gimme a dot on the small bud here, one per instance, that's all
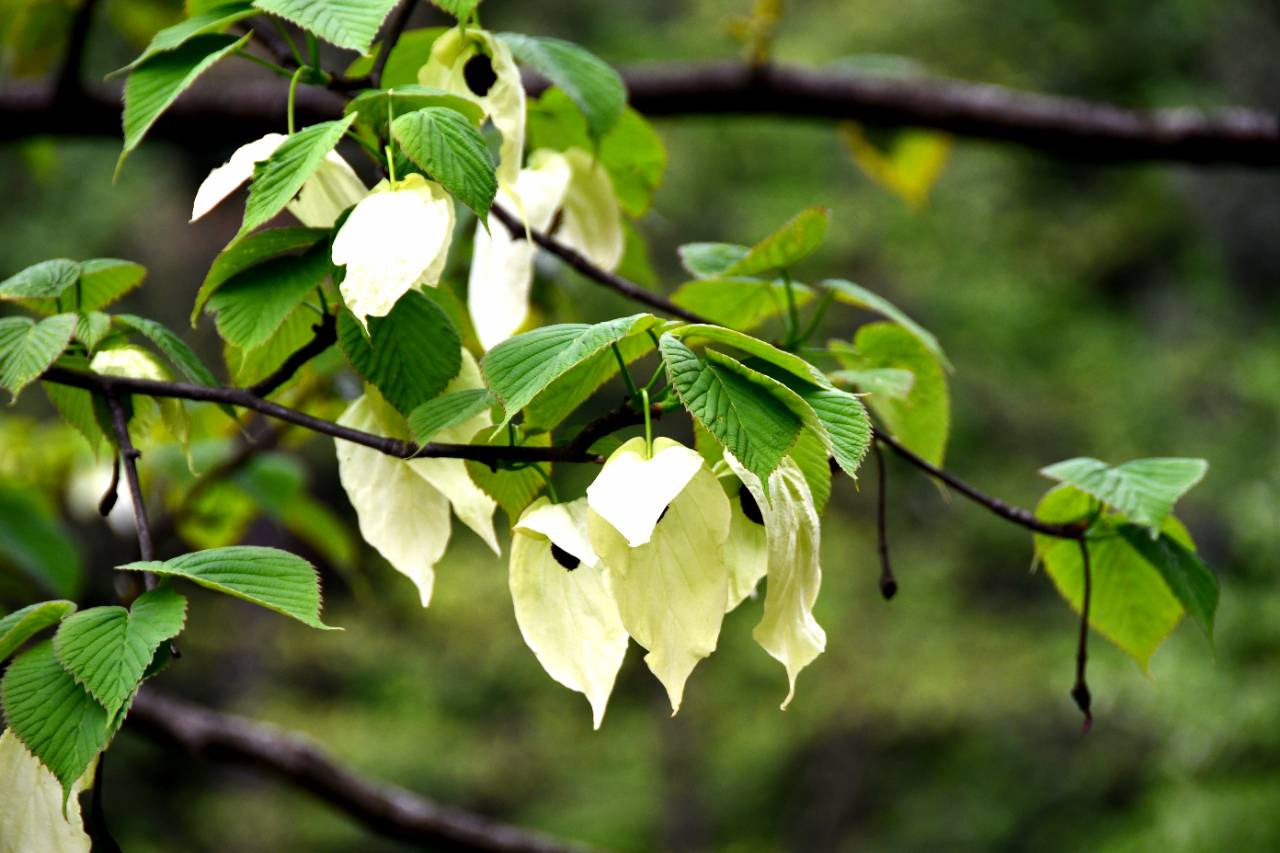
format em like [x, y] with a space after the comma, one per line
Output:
[750, 508]
[479, 74]
[564, 558]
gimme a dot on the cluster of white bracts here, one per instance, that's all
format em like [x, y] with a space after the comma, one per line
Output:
[663, 553]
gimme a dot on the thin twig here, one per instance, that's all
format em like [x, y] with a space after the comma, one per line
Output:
[69, 84]
[326, 335]
[129, 459]
[888, 583]
[109, 497]
[398, 23]
[1080, 692]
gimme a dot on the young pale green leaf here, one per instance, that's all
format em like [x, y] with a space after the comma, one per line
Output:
[1144, 490]
[33, 541]
[352, 24]
[511, 489]
[1131, 604]
[460, 9]
[107, 649]
[447, 145]
[31, 813]
[812, 456]
[1191, 581]
[595, 87]
[374, 106]
[745, 411]
[278, 179]
[92, 328]
[269, 577]
[102, 282]
[251, 306]
[215, 20]
[250, 366]
[174, 348]
[250, 251]
[739, 303]
[410, 355]
[853, 294]
[155, 84]
[76, 405]
[711, 260]
[882, 381]
[53, 715]
[521, 368]
[28, 349]
[21, 625]
[448, 410]
[921, 420]
[784, 247]
[408, 54]
[45, 280]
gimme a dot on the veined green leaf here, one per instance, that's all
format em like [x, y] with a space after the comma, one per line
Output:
[174, 348]
[460, 9]
[215, 20]
[447, 145]
[410, 355]
[513, 490]
[853, 294]
[595, 87]
[21, 625]
[28, 349]
[268, 577]
[347, 23]
[54, 716]
[250, 251]
[711, 260]
[76, 405]
[248, 367]
[155, 84]
[91, 328]
[1188, 578]
[45, 280]
[890, 382]
[793, 364]
[448, 410]
[574, 387]
[107, 649]
[521, 368]
[373, 106]
[784, 247]
[103, 281]
[739, 303]
[251, 306]
[744, 410]
[845, 428]
[1144, 490]
[279, 178]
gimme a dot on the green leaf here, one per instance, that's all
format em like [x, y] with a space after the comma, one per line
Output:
[565, 394]
[887, 381]
[374, 105]
[91, 328]
[1188, 578]
[408, 54]
[789, 362]
[352, 24]
[248, 367]
[521, 368]
[103, 281]
[743, 409]
[250, 251]
[278, 179]
[21, 625]
[35, 542]
[921, 420]
[739, 303]
[1130, 604]
[53, 715]
[76, 405]
[711, 260]
[215, 20]
[1144, 490]
[410, 355]
[445, 144]
[784, 247]
[45, 280]
[107, 649]
[269, 577]
[251, 306]
[460, 9]
[28, 349]
[813, 459]
[595, 87]
[845, 427]
[853, 294]
[512, 489]
[154, 85]
[448, 410]
[174, 348]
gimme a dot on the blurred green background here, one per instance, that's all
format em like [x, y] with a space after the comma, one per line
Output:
[1111, 311]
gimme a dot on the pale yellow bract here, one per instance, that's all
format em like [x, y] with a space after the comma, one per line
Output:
[31, 816]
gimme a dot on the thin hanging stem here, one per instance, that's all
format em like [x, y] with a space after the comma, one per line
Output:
[632, 391]
[391, 141]
[888, 583]
[1080, 692]
[648, 423]
[293, 93]
[258, 60]
[793, 316]
[819, 312]
[288, 39]
[546, 478]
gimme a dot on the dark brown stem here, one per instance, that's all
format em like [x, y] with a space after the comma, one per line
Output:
[69, 84]
[129, 459]
[326, 335]
[387, 809]
[112, 493]
[620, 418]
[389, 39]
[1080, 692]
[888, 583]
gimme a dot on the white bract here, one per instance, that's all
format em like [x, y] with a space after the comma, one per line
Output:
[565, 611]
[402, 506]
[788, 630]
[502, 103]
[592, 221]
[331, 188]
[396, 238]
[31, 817]
[671, 591]
[502, 265]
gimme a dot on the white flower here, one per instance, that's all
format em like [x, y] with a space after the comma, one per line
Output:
[502, 101]
[671, 590]
[564, 609]
[402, 506]
[788, 630]
[396, 238]
[331, 189]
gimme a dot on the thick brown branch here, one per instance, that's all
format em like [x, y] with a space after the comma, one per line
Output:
[212, 117]
[387, 809]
